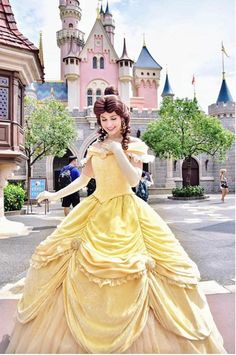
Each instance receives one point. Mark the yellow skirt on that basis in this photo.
(112, 278)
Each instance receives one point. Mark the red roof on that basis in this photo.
(9, 34)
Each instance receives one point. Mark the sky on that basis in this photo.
(182, 35)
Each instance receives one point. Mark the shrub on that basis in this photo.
(188, 191)
(14, 197)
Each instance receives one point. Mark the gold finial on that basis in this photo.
(144, 42)
(98, 10)
(41, 48)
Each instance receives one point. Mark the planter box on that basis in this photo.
(188, 198)
(15, 213)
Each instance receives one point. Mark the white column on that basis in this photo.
(170, 183)
(8, 228)
(126, 91)
(73, 93)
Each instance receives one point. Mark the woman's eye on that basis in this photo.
(113, 118)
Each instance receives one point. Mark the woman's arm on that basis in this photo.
(132, 171)
(77, 184)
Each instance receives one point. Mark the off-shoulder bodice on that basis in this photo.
(110, 180)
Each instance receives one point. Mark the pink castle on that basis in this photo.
(89, 67)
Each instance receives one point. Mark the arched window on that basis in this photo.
(101, 63)
(98, 93)
(70, 25)
(89, 97)
(95, 63)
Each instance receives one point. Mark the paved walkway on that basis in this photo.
(221, 298)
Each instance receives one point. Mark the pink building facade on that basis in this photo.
(89, 67)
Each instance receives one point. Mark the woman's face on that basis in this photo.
(111, 123)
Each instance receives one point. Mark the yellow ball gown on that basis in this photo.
(112, 278)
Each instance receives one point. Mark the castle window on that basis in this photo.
(66, 61)
(101, 63)
(154, 74)
(71, 61)
(95, 63)
(4, 97)
(126, 63)
(71, 25)
(175, 165)
(77, 62)
(89, 97)
(206, 164)
(20, 105)
(98, 93)
(121, 64)
(148, 73)
(142, 73)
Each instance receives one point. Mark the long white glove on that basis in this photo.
(76, 185)
(132, 173)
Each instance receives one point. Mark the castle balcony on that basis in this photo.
(72, 68)
(67, 34)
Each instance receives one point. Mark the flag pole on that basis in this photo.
(223, 63)
(194, 87)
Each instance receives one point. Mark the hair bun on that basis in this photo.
(110, 90)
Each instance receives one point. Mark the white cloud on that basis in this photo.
(182, 34)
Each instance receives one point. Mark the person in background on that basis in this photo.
(91, 187)
(68, 174)
(142, 188)
(223, 184)
(149, 179)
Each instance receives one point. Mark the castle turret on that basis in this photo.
(72, 76)
(69, 36)
(224, 110)
(108, 22)
(147, 78)
(167, 91)
(225, 105)
(125, 76)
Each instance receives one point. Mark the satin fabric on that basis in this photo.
(113, 278)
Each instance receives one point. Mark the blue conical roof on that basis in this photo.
(224, 94)
(145, 60)
(167, 91)
(107, 9)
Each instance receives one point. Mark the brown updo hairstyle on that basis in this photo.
(111, 102)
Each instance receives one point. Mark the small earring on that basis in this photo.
(123, 125)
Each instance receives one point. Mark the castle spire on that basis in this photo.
(41, 48)
(224, 94)
(107, 9)
(101, 10)
(167, 91)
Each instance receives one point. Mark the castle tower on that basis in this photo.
(70, 35)
(167, 91)
(125, 76)
(224, 110)
(108, 22)
(147, 78)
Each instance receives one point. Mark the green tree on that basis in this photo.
(183, 130)
(49, 129)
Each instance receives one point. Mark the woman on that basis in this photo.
(112, 278)
(223, 184)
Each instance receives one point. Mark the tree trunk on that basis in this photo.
(188, 177)
(28, 171)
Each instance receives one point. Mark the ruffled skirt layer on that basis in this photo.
(112, 278)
